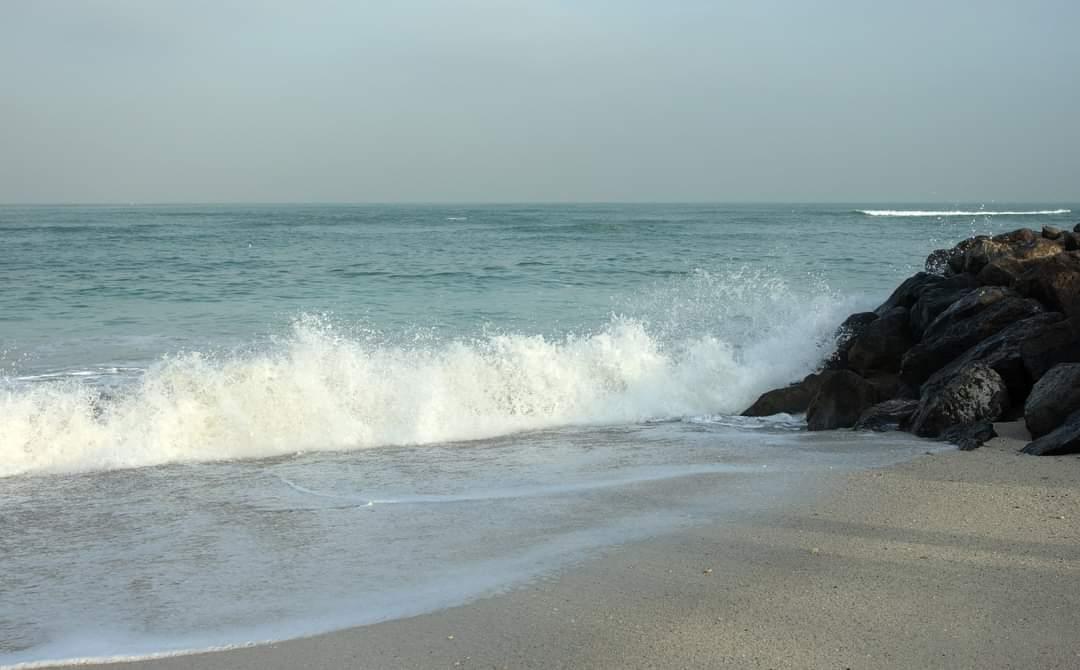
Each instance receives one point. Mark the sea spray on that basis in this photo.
(326, 388)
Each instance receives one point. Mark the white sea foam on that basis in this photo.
(322, 390)
(923, 213)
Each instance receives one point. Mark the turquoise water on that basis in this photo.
(221, 424)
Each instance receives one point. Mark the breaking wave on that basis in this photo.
(918, 212)
(323, 389)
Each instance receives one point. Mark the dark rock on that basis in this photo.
(937, 263)
(1001, 272)
(941, 345)
(1076, 228)
(1072, 241)
(1058, 343)
(1054, 281)
(1051, 232)
(882, 343)
(971, 436)
(1065, 439)
(890, 386)
(966, 307)
(889, 415)
(1053, 399)
(840, 401)
(935, 299)
(1002, 352)
(793, 399)
(908, 292)
(974, 394)
(851, 328)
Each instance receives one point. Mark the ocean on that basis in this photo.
(229, 424)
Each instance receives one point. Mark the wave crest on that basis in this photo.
(322, 390)
(924, 213)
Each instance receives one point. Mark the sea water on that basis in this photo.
(228, 424)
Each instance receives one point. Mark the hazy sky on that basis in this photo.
(550, 100)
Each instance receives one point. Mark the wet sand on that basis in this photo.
(953, 560)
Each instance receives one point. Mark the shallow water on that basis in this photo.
(227, 424)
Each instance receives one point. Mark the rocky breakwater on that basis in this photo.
(989, 332)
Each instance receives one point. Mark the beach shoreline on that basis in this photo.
(954, 559)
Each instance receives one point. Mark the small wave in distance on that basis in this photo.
(918, 212)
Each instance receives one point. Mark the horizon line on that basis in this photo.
(491, 203)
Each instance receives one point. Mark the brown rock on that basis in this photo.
(1054, 281)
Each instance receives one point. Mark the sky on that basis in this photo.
(542, 101)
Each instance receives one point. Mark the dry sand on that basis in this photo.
(954, 560)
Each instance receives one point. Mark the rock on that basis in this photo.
(842, 398)
(1071, 240)
(882, 343)
(1021, 244)
(946, 338)
(974, 394)
(1054, 281)
(1076, 228)
(793, 399)
(1001, 272)
(937, 263)
(888, 415)
(851, 328)
(966, 307)
(1051, 232)
(1002, 352)
(1058, 343)
(1053, 399)
(971, 436)
(890, 386)
(908, 292)
(935, 299)
(1065, 439)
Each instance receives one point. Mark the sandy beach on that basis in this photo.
(953, 560)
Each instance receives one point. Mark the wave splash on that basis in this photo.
(323, 390)
(923, 213)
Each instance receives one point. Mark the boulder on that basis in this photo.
(908, 292)
(1065, 439)
(889, 415)
(1001, 272)
(1054, 281)
(935, 299)
(1051, 232)
(890, 386)
(1021, 244)
(947, 339)
(1058, 343)
(974, 394)
(793, 399)
(1002, 352)
(842, 398)
(1071, 240)
(882, 343)
(851, 328)
(1053, 399)
(966, 307)
(1076, 228)
(971, 436)
(937, 263)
